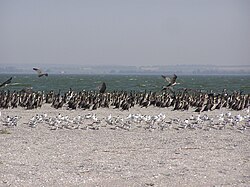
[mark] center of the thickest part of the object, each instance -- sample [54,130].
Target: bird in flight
[6,82]
[40,72]
[171,82]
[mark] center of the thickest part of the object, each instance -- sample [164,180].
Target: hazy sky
[125,32]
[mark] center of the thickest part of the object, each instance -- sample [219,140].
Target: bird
[103,88]
[40,72]
[6,82]
[171,81]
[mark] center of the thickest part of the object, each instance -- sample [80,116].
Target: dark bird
[103,88]
[6,82]
[171,82]
[40,72]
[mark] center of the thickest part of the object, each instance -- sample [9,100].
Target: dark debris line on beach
[181,100]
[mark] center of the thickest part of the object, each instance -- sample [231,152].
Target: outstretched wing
[166,78]
[6,82]
[174,79]
[39,72]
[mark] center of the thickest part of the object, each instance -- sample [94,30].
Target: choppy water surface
[125,82]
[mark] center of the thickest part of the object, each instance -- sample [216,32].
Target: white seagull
[40,72]
[171,81]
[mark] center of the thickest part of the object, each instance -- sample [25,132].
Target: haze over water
[125,33]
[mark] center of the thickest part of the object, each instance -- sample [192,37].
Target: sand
[107,156]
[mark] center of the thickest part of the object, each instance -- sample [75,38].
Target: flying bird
[6,82]
[171,82]
[103,88]
[40,72]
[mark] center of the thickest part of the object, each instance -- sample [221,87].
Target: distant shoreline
[129,70]
[124,74]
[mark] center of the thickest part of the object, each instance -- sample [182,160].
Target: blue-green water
[125,82]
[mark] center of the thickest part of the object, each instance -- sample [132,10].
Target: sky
[125,32]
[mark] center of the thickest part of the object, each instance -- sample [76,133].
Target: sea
[138,83]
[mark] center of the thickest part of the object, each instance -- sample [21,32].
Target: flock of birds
[131,122]
[183,99]
[92,100]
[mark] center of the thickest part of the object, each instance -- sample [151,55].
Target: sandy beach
[95,148]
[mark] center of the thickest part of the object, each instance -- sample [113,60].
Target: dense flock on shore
[180,100]
[184,100]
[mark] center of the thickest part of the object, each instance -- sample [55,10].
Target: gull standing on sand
[171,82]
